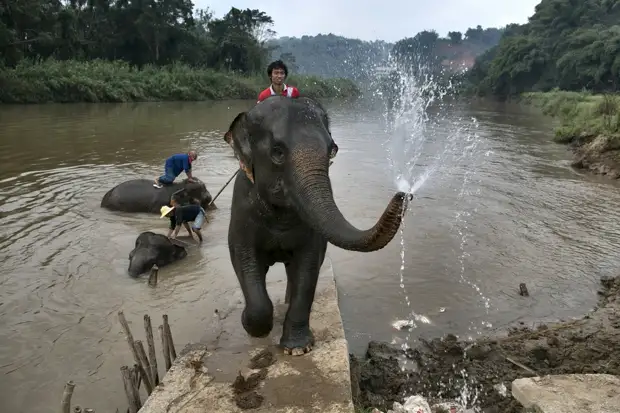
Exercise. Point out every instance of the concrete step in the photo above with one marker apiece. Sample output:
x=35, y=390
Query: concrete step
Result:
x=571, y=393
x=201, y=378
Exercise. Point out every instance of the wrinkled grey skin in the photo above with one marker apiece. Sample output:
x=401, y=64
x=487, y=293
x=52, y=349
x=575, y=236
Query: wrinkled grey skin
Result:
x=283, y=210
x=139, y=195
x=153, y=249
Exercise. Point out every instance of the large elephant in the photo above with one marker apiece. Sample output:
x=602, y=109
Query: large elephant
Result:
x=283, y=210
x=139, y=195
x=153, y=249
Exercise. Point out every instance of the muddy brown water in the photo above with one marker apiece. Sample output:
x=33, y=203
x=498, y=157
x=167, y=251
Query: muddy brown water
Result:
x=526, y=217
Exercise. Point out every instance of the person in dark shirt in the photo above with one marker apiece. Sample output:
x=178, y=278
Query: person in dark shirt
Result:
x=174, y=166
x=183, y=215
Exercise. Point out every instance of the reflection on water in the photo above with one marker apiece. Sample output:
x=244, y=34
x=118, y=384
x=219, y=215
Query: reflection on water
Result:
x=528, y=218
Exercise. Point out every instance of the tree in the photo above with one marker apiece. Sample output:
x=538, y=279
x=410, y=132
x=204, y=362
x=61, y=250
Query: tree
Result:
x=571, y=44
x=139, y=32
x=455, y=37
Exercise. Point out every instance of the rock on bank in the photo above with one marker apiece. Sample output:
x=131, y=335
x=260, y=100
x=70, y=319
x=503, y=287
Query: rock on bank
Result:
x=482, y=372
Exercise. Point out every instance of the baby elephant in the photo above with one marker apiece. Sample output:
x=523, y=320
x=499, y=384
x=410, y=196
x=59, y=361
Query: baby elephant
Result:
x=151, y=249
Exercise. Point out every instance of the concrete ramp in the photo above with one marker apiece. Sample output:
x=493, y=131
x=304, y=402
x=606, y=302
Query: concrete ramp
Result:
x=571, y=393
x=255, y=375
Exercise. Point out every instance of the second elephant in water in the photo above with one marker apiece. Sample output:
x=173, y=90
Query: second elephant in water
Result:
x=283, y=210
x=153, y=249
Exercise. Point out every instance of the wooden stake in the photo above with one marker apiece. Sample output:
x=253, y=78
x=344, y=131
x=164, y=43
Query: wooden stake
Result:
x=164, y=346
x=133, y=397
x=146, y=367
x=150, y=342
x=130, y=341
x=153, y=276
x=173, y=353
x=65, y=403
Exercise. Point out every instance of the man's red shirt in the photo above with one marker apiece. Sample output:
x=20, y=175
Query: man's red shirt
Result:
x=290, y=91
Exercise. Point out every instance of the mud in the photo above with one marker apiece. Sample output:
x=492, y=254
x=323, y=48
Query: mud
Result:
x=246, y=396
x=473, y=372
x=598, y=155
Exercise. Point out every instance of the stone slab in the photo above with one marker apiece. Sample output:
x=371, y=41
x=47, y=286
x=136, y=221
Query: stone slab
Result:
x=571, y=393
x=201, y=377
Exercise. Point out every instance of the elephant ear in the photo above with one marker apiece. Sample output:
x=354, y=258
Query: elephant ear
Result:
x=238, y=137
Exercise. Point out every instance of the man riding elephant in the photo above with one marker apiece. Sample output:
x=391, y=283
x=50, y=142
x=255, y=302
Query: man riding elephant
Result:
x=138, y=195
x=180, y=162
x=283, y=210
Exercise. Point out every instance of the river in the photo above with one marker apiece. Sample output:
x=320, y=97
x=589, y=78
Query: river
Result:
x=525, y=216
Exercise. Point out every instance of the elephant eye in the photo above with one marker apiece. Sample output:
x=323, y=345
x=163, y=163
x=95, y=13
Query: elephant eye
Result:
x=277, y=154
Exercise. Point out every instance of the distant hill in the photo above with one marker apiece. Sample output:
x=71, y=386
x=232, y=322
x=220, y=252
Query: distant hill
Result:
x=328, y=55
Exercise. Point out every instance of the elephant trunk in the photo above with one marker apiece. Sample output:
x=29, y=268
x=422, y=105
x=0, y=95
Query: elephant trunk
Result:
x=312, y=196
x=137, y=262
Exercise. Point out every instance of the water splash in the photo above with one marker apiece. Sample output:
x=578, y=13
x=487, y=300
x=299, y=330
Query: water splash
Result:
x=425, y=138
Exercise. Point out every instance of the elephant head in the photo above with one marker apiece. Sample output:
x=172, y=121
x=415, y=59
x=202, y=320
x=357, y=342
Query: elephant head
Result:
x=193, y=190
x=283, y=146
x=153, y=249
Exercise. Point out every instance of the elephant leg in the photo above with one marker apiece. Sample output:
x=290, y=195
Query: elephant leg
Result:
x=257, y=316
x=302, y=274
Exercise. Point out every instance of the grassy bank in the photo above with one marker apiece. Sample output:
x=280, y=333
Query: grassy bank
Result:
x=105, y=81
x=590, y=123
x=581, y=114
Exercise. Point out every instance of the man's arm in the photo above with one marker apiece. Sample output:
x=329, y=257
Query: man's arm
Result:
x=178, y=218
x=172, y=224
x=295, y=92
x=187, y=167
x=263, y=95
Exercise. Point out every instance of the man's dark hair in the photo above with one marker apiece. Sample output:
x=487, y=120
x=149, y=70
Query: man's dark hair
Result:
x=278, y=64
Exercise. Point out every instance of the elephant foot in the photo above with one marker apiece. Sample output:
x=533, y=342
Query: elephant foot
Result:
x=257, y=322
x=297, y=342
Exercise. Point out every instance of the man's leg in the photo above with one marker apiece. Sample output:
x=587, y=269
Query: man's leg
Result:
x=189, y=230
x=197, y=224
x=166, y=179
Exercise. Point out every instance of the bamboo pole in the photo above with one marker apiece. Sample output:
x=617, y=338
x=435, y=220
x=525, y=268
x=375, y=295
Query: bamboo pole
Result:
x=133, y=397
x=150, y=342
x=146, y=368
x=129, y=336
x=153, y=276
x=135, y=376
x=164, y=346
x=173, y=353
x=132, y=346
x=65, y=403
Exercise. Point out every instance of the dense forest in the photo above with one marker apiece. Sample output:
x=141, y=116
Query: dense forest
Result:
x=122, y=50
x=566, y=44
x=336, y=56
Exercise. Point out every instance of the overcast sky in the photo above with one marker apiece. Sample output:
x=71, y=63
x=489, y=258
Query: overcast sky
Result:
x=385, y=20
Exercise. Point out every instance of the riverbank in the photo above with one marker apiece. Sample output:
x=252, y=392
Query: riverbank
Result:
x=105, y=81
x=589, y=124
x=481, y=372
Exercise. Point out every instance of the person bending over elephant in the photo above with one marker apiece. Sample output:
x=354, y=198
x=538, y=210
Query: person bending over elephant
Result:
x=174, y=166
x=183, y=215
x=283, y=210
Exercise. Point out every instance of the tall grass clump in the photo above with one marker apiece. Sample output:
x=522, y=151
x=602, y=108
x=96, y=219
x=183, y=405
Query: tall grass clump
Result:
x=582, y=115
x=117, y=81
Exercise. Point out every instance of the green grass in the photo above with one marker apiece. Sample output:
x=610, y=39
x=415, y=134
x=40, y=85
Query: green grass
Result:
x=105, y=81
x=582, y=115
